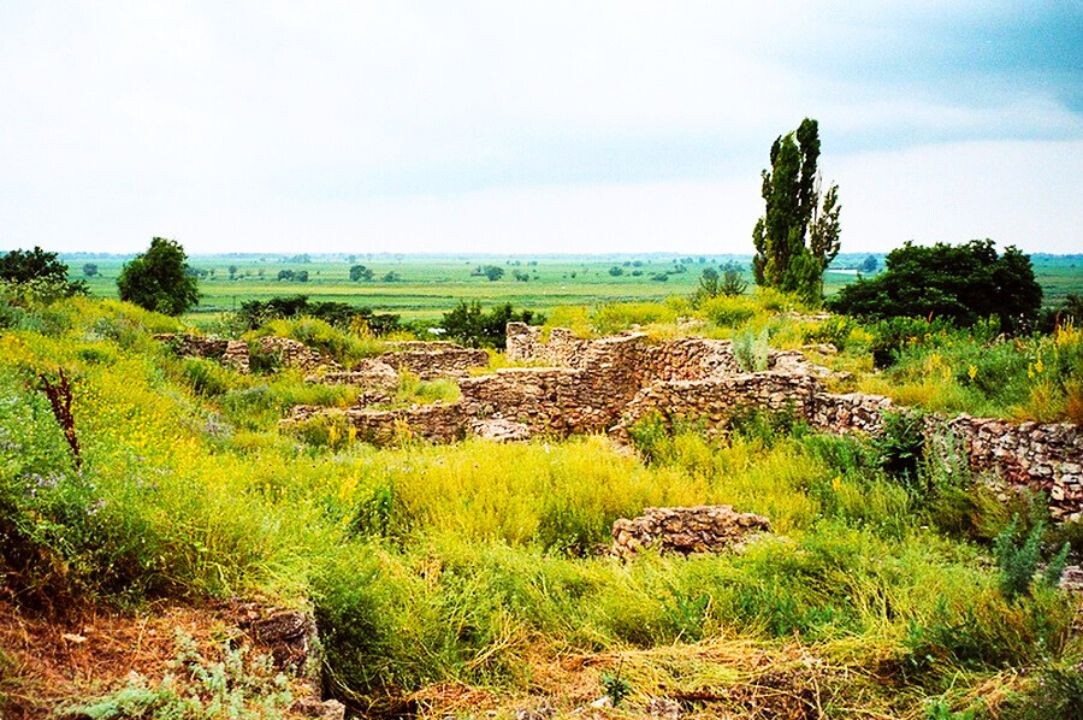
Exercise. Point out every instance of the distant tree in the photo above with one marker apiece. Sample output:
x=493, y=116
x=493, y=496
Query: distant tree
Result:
x=616, y=271
x=232, y=272
x=713, y=283
x=40, y=267
x=285, y=275
x=158, y=279
x=660, y=277
x=520, y=276
x=798, y=236
x=469, y=325
x=1069, y=311
x=708, y=285
x=870, y=264
x=90, y=269
x=254, y=313
x=493, y=272
x=733, y=281
x=961, y=283
x=361, y=273
x=391, y=277
x=301, y=276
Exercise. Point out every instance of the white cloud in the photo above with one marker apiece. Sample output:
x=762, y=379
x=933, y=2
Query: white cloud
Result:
x=556, y=126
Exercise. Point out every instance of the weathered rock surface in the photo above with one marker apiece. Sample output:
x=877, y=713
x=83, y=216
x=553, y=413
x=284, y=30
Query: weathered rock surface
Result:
x=230, y=353
x=292, y=353
x=686, y=530
x=289, y=635
x=609, y=384
x=429, y=360
x=500, y=430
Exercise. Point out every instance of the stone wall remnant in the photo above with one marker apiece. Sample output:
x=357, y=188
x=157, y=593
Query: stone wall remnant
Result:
x=686, y=530
x=430, y=360
x=438, y=422
x=609, y=384
x=295, y=354
x=232, y=354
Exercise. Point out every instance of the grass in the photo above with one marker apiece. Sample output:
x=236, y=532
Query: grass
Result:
x=480, y=564
x=433, y=285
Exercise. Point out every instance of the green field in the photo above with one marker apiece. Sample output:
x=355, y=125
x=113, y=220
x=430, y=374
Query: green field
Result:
x=429, y=285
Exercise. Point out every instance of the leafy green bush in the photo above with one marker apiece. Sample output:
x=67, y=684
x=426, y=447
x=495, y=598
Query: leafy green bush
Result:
x=206, y=377
x=961, y=283
x=835, y=330
x=901, y=446
x=751, y=350
x=471, y=326
x=729, y=310
x=890, y=336
x=1018, y=561
x=254, y=313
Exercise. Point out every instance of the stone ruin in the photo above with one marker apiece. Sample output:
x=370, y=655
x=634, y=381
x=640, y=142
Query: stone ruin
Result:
x=427, y=360
x=233, y=354
x=237, y=354
x=686, y=530
x=609, y=384
x=431, y=360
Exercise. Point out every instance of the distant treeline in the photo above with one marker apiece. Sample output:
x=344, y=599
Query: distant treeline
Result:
x=254, y=313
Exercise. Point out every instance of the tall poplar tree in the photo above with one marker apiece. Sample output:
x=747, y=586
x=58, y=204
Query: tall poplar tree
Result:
x=798, y=235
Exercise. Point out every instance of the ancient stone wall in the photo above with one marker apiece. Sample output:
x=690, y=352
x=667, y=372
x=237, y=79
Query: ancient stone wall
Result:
x=686, y=530
x=524, y=344
x=609, y=384
x=430, y=360
x=691, y=359
x=1041, y=457
x=230, y=353
x=716, y=400
x=563, y=400
x=546, y=400
x=849, y=412
x=295, y=354
x=438, y=423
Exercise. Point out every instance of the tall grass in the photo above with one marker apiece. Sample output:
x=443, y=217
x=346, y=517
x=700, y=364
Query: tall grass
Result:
x=470, y=562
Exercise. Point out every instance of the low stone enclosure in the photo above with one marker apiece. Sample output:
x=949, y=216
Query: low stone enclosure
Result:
x=428, y=360
x=607, y=385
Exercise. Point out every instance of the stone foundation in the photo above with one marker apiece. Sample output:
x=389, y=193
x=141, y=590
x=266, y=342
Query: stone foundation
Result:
x=686, y=530
x=294, y=354
x=437, y=423
x=430, y=360
x=232, y=354
x=608, y=385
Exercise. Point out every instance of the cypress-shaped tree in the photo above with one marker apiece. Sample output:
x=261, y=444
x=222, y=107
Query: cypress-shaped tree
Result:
x=798, y=235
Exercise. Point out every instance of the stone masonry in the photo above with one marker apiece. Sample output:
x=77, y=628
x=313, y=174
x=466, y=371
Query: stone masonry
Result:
x=230, y=353
x=607, y=385
x=686, y=530
x=429, y=360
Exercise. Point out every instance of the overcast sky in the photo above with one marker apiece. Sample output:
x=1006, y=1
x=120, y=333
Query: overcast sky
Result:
x=531, y=127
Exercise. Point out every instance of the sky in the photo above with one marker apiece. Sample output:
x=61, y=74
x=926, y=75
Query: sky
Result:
x=541, y=127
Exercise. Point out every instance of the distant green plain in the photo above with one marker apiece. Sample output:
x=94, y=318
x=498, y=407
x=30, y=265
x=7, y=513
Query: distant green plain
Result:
x=431, y=285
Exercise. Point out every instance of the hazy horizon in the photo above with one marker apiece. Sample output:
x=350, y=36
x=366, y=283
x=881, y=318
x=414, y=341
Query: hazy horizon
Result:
x=521, y=129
